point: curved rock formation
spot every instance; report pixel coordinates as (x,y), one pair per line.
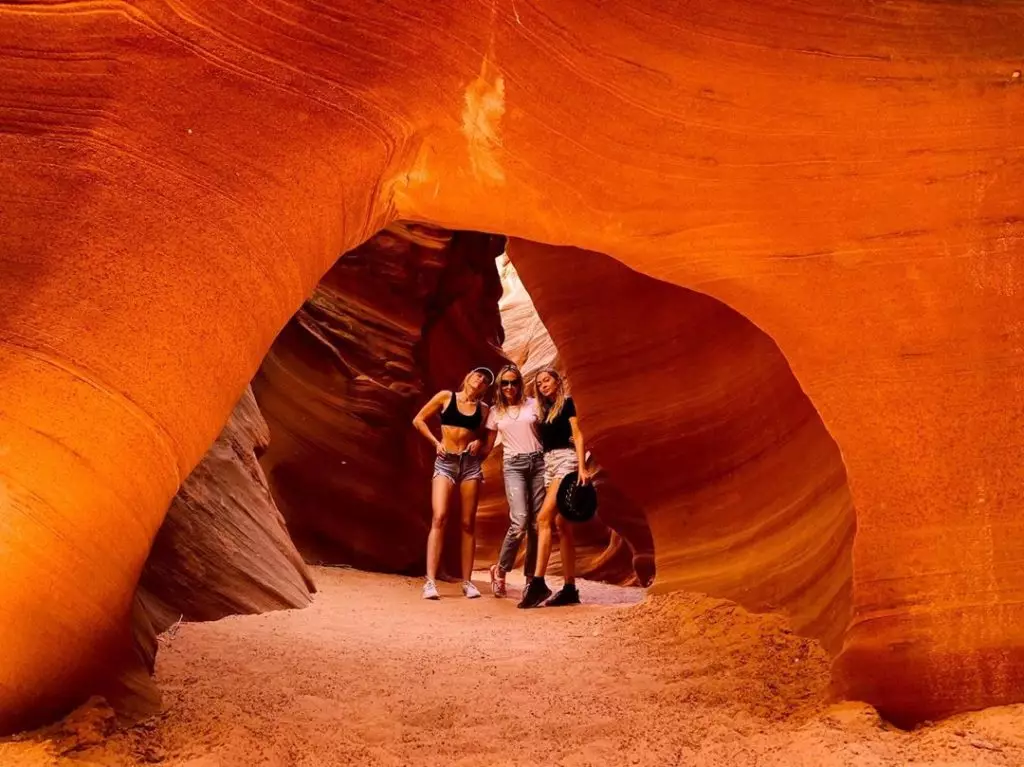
(617,546)
(222,549)
(706,429)
(402,316)
(176,178)
(527,341)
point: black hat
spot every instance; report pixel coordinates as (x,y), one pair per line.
(576,502)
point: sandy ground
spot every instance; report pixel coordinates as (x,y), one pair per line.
(373,675)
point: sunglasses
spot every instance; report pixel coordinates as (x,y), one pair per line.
(508,383)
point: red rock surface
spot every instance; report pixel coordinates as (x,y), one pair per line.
(223,549)
(710,436)
(622,553)
(398,318)
(175,180)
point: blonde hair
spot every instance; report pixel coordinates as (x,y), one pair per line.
(550,409)
(501,402)
(465,381)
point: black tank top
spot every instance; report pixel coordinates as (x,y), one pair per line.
(452,416)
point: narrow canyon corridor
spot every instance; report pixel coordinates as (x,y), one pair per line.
(371,675)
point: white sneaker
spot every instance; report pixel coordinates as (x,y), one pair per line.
(471,591)
(430,591)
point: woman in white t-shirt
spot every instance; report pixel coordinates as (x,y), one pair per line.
(514,417)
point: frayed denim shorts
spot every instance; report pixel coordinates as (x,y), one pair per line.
(458,468)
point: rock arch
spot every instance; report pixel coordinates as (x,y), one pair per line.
(697,413)
(177,178)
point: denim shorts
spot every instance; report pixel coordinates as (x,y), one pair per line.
(558,463)
(458,468)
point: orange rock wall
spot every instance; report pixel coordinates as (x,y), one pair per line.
(223,549)
(707,431)
(176,178)
(616,546)
(402,316)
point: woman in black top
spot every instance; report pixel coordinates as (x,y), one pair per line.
(564,453)
(457,464)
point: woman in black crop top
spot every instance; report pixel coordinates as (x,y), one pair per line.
(564,453)
(457,464)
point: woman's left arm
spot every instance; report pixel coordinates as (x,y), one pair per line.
(581,452)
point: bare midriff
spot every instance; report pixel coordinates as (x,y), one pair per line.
(456,439)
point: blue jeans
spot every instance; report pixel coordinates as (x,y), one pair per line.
(524,489)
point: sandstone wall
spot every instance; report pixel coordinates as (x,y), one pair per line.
(395,320)
(614,547)
(699,416)
(175,179)
(223,549)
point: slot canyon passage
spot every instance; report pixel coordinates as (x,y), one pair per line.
(777,247)
(760,513)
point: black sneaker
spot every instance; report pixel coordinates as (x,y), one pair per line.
(535,593)
(569,595)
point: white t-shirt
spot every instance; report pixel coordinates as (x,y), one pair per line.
(517,427)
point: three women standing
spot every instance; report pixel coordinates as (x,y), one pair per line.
(542,444)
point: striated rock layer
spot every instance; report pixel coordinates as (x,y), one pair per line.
(223,549)
(176,178)
(698,415)
(402,316)
(616,546)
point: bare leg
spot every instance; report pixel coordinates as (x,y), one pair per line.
(545,519)
(470,496)
(567,545)
(440,491)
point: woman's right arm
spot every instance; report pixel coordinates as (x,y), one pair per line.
(428,410)
(490,432)
(488,443)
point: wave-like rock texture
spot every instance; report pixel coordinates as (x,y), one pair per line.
(615,547)
(402,316)
(707,430)
(175,179)
(527,341)
(223,549)
(399,317)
